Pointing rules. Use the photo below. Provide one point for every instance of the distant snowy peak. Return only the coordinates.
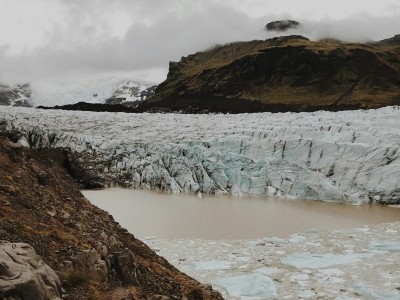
(132, 93)
(16, 95)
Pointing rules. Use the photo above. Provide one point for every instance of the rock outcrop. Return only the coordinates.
(18, 95)
(283, 74)
(94, 257)
(283, 25)
(131, 94)
(393, 41)
(350, 157)
(24, 275)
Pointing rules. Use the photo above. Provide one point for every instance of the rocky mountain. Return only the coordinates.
(131, 94)
(49, 225)
(17, 95)
(348, 157)
(393, 41)
(282, 25)
(283, 74)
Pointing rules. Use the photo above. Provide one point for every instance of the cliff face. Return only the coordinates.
(40, 204)
(284, 74)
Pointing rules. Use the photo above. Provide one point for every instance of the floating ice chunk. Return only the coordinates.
(363, 229)
(331, 272)
(256, 285)
(300, 277)
(274, 240)
(243, 259)
(328, 281)
(385, 245)
(311, 244)
(268, 271)
(306, 294)
(212, 265)
(369, 293)
(297, 239)
(314, 261)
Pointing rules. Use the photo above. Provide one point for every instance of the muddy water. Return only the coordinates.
(146, 213)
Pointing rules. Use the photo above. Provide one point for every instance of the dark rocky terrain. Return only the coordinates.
(283, 74)
(94, 257)
(282, 25)
(131, 94)
(84, 106)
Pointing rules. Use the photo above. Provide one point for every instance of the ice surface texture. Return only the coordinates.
(350, 156)
(249, 285)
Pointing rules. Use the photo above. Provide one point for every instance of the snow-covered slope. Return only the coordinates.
(132, 93)
(16, 95)
(350, 156)
(90, 88)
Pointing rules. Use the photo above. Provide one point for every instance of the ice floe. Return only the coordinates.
(385, 245)
(296, 270)
(315, 261)
(249, 286)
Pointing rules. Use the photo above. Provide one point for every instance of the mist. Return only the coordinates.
(93, 38)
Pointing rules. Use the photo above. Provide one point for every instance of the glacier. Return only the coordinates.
(349, 157)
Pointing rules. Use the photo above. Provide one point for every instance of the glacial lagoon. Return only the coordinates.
(176, 216)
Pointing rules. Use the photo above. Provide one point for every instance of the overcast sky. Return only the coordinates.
(41, 39)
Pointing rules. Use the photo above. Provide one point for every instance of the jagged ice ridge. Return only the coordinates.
(350, 156)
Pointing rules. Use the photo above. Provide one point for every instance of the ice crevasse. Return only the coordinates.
(350, 156)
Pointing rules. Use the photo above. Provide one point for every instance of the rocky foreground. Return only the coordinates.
(350, 157)
(56, 244)
(283, 74)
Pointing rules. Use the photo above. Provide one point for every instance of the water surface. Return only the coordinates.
(147, 213)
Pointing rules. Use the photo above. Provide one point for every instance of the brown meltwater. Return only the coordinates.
(147, 213)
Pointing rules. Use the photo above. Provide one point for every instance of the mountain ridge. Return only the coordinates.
(289, 73)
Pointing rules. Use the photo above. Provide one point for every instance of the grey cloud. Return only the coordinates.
(176, 29)
(143, 46)
(357, 28)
